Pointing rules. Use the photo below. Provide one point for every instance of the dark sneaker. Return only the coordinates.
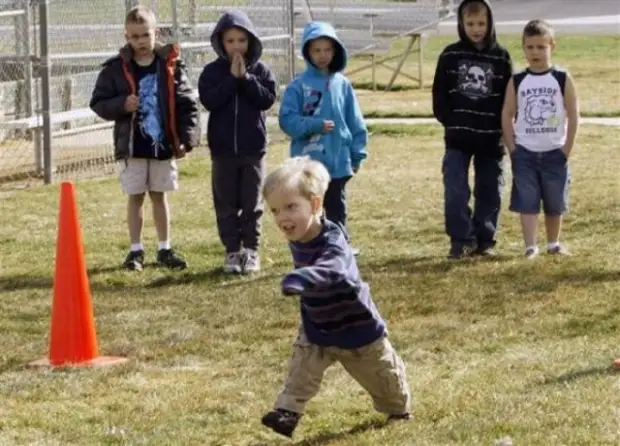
(170, 259)
(134, 261)
(489, 251)
(399, 417)
(282, 421)
(558, 250)
(458, 251)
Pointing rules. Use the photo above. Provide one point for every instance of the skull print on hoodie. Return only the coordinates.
(469, 89)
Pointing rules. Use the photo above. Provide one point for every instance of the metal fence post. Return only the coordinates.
(45, 70)
(175, 20)
(291, 31)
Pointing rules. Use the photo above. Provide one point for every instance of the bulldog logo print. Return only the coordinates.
(475, 79)
(540, 109)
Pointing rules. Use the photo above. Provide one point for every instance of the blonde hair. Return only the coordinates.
(141, 14)
(307, 177)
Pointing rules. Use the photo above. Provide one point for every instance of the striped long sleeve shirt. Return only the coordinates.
(336, 306)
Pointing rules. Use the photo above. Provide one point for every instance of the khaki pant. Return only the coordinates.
(376, 367)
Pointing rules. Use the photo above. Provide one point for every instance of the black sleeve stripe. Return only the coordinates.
(560, 76)
(517, 79)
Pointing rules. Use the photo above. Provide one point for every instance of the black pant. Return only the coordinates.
(463, 226)
(335, 203)
(236, 183)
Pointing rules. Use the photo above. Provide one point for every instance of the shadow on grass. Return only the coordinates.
(214, 274)
(426, 264)
(25, 282)
(575, 375)
(328, 437)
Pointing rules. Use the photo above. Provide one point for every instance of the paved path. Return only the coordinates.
(612, 122)
(567, 16)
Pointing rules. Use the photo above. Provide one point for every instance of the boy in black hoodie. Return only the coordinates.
(468, 95)
(237, 89)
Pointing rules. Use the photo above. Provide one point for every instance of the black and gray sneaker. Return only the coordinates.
(399, 417)
(134, 261)
(460, 250)
(170, 259)
(282, 421)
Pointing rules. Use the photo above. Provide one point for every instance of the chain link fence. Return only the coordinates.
(51, 53)
(76, 36)
(19, 87)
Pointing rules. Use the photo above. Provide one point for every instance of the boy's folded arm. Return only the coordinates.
(106, 101)
(260, 89)
(329, 271)
(290, 117)
(188, 115)
(357, 126)
(440, 91)
(216, 91)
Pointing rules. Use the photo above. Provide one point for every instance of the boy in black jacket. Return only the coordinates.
(146, 92)
(237, 89)
(468, 95)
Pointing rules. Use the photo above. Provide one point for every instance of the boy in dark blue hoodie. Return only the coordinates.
(468, 95)
(339, 320)
(237, 89)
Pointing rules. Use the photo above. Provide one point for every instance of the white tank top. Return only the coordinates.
(541, 117)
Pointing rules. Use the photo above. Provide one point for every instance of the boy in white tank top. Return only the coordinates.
(539, 123)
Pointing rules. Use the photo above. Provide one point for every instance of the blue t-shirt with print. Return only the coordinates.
(149, 139)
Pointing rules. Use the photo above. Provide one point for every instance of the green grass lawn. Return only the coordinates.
(594, 62)
(501, 348)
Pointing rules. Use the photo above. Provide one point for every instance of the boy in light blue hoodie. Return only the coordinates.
(320, 113)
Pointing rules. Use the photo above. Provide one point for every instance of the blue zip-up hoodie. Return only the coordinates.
(314, 97)
(237, 118)
(336, 306)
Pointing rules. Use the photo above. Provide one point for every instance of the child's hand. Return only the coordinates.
(356, 169)
(234, 66)
(241, 65)
(131, 103)
(237, 66)
(328, 126)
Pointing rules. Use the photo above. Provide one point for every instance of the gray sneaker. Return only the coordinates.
(251, 261)
(233, 262)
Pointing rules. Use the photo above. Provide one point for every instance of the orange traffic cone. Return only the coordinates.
(73, 339)
(616, 365)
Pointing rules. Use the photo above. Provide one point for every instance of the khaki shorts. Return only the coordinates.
(139, 175)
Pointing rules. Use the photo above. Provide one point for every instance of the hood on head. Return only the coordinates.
(491, 38)
(238, 19)
(315, 30)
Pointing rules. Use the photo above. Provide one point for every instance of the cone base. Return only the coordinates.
(101, 361)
